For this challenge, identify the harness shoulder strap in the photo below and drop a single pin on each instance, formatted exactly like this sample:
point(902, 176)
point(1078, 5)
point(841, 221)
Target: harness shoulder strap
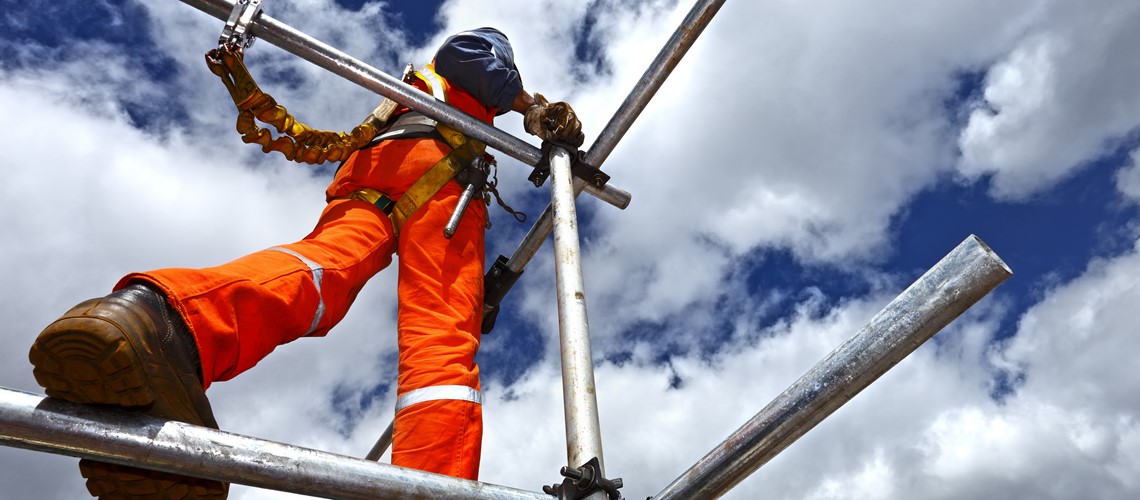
point(416, 125)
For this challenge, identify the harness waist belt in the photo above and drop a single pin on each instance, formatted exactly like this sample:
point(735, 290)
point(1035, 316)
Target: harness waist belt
point(369, 195)
point(463, 152)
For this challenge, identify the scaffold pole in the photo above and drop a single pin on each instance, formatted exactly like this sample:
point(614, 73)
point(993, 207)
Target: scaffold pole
point(955, 283)
point(356, 71)
point(49, 425)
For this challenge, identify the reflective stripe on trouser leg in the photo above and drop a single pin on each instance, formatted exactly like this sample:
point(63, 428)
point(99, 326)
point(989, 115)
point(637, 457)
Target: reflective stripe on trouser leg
point(443, 436)
point(242, 310)
point(438, 393)
point(318, 274)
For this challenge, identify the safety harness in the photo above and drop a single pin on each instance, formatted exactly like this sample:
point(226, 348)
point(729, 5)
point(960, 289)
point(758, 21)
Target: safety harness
point(301, 143)
point(463, 152)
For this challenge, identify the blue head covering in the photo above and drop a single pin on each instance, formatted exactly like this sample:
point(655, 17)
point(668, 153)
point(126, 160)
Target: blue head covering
point(482, 62)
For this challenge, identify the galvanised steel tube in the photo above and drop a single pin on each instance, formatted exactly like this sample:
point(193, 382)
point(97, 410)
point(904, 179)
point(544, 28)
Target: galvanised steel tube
point(382, 444)
point(583, 431)
point(545, 224)
point(33, 422)
point(534, 238)
point(654, 76)
point(301, 45)
point(954, 284)
point(354, 70)
point(614, 196)
point(667, 59)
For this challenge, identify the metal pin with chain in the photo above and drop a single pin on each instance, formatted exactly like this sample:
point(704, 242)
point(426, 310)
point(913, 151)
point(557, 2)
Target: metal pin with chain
point(476, 176)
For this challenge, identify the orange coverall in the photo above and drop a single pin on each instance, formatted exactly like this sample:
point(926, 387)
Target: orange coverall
point(240, 311)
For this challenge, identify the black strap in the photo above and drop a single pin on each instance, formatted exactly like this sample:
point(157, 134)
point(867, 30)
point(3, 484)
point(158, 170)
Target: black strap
point(385, 204)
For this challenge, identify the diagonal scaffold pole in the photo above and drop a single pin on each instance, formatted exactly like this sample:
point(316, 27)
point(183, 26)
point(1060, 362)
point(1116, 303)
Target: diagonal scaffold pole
point(964, 276)
point(341, 64)
point(655, 75)
point(50, 425)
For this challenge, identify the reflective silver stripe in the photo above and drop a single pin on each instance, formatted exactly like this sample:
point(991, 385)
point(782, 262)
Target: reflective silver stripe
point(395, 132)
point(434, 82)
point(408, 123)
point(414, 118)
point(318, 274)
point(439, 392)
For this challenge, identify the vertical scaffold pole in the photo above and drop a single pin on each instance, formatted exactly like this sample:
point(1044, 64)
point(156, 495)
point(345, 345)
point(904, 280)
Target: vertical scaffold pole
point(583, 431)
point(955, 283)
point(667, 59)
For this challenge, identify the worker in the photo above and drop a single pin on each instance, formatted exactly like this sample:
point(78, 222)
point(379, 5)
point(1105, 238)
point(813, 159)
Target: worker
point(161, 338)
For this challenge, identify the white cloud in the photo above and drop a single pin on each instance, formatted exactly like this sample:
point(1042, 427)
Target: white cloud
point(117, 199)
point(792, 139)
point(927, 429)
point(1058, 99)
point(801, 127)
point(1128, 177)
point(1084, 326)
point(807, 135)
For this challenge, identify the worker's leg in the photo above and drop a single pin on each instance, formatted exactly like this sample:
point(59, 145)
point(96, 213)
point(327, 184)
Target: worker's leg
point(240, 311)
point(138, 348)
point(438, 421)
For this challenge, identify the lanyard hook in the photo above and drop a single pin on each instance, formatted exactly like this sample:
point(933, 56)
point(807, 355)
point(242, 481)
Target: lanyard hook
point(236, 32)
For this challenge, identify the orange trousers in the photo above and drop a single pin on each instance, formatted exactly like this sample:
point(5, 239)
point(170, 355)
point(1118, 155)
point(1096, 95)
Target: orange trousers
point(240, 311)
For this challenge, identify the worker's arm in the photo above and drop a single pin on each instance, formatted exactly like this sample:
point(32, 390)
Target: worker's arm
point(523, 102)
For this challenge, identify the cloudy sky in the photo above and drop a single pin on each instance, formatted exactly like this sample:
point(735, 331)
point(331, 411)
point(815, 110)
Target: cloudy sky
point(804, 163)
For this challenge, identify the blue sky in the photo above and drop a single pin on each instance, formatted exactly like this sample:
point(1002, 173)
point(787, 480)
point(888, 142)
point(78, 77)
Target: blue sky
point(839, 151)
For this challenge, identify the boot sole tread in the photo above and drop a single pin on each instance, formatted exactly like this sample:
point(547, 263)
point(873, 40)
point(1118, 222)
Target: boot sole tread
point(77, 363)
point(88, 359)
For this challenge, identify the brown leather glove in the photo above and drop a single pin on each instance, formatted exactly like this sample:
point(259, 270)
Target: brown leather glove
point(553, 121)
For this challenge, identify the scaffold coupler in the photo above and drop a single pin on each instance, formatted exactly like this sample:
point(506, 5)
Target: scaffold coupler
point(496, 284)
point(579, 168)
point(584, 481)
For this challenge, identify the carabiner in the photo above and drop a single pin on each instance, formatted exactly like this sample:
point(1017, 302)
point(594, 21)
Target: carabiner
point(236, 31)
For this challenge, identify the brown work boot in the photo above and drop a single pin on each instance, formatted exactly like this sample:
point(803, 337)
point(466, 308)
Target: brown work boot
point(130, 349)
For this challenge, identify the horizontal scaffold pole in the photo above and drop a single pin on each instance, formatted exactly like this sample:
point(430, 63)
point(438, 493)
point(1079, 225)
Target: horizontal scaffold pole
point(954, 284)
point(43, 424)
point(325, 56)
